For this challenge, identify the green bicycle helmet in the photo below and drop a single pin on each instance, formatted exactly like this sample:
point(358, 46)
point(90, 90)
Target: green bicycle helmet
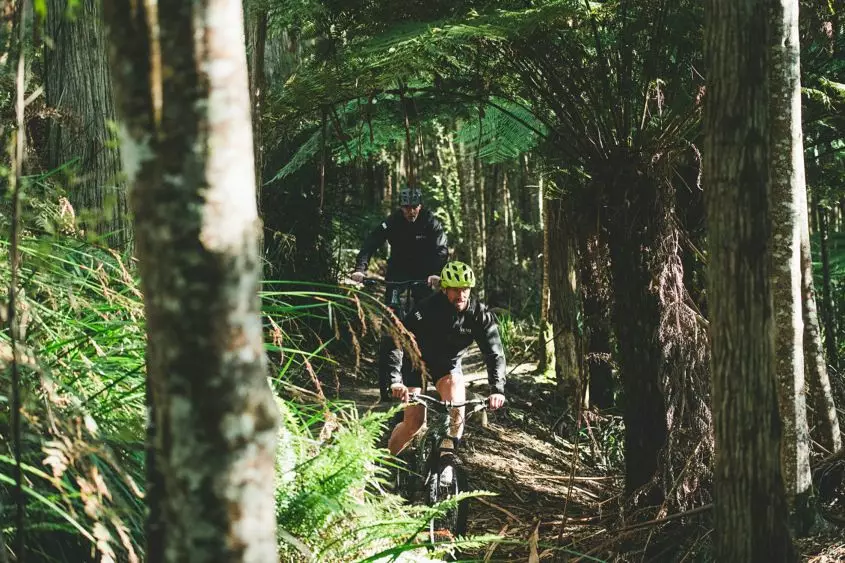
point(457, 274)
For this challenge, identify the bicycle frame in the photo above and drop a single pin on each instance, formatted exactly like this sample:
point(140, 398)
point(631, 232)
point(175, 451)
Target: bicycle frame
point(426, 456)
point(399, 294)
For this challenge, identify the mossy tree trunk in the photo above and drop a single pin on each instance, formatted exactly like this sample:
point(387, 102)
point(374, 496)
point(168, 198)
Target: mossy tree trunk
point(788, 190)
point(190, 164)
point(78, 91)
point(750, 504)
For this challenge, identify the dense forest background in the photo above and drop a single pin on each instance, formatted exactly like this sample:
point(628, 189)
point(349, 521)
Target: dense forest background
point(566, 147)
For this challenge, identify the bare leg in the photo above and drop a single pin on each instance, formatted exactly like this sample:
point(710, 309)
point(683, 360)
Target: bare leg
point(408, 428)
point(451, 388)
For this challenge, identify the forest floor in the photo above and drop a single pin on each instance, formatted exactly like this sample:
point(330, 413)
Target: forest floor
point(557, 496)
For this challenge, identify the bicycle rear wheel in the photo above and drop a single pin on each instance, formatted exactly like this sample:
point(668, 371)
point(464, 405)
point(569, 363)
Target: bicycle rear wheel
point(454, 522)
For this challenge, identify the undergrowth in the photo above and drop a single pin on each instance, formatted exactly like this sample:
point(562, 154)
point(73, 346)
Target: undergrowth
point(81, 357)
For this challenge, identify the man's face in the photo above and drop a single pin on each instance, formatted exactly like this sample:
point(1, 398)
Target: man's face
point(411, 212)
point(458, 296)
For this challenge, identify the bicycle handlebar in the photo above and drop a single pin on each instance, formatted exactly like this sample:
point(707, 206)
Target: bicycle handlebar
point(394, 282)
point(428, 401)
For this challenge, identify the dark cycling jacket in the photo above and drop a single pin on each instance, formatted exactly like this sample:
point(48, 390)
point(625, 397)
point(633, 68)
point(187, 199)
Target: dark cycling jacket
point(417, 250)
point(443, 334)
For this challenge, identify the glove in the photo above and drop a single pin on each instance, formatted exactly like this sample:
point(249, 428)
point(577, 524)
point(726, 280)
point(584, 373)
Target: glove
point(433, 281)
point(357, 277)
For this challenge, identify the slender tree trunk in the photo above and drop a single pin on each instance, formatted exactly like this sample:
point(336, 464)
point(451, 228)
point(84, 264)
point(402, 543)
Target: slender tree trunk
point(750, 505)
point(788, 190)
point(547, 346)
point(78, 87)
point(827, 292)
point(190, 165)
point(826, 427)
point(563, 284)
point(480, 213)
point(256, 37)
point(496, 264)
point(468, 245)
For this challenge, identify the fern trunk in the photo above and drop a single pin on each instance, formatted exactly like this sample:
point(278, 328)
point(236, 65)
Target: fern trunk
point(632, 239)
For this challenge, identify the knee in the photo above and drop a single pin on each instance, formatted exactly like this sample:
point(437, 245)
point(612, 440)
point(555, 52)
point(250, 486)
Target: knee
point(414, 416)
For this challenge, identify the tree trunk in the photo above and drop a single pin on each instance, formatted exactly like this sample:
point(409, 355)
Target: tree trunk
point(480, 212)
point(496, 264)
point(826, 428)
point(256, 37)
point(190, 165)
point(636, 319)
point(77, 87)
point(827, 292)
point(563, 283)
point(547, 350)
point(468, 245)
point(596, 322)
point(750, 504)
point(788, 190)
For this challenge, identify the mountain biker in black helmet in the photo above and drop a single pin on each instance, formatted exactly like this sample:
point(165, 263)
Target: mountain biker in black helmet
point(444, 326)
point(418, 250)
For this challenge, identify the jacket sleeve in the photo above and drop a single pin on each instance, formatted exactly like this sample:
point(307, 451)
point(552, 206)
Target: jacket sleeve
point(440, 253)
point(490, 344)
point(372, 243)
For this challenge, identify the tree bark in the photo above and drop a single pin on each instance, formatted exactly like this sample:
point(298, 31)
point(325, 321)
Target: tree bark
point(190, 165)
point(496, 264)
point(826, 427)
point(77, 85)
point(563, 284)
point(750, 504)
point(547, 351)
point(788, 191)
point(827, 292)
point(632, 240)
point(256, 37)
point(596, 322)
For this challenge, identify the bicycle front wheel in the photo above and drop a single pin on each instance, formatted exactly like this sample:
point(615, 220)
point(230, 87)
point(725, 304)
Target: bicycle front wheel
point(454, 522)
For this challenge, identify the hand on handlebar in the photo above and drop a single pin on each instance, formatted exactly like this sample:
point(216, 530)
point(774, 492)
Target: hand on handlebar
point(357, 277)
point(433, 282)
point(496, 400)
point(399, 391)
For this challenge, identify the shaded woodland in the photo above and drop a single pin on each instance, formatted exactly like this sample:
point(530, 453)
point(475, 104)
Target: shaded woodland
point(651, 193)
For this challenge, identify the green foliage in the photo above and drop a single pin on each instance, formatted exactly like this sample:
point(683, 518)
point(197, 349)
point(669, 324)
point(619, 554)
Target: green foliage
point(82, 360)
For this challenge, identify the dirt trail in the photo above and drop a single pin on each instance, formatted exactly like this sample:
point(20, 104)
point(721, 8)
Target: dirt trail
point(529, 467)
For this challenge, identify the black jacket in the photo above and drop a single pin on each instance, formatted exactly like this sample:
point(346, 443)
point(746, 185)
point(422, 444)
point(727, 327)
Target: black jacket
point(417, 250)
point(443, 334)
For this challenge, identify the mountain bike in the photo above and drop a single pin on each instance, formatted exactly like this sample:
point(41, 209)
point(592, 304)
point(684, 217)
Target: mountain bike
point(400, 296)
point(424, 467)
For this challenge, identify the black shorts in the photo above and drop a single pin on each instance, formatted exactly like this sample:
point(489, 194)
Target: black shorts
point(412, 377)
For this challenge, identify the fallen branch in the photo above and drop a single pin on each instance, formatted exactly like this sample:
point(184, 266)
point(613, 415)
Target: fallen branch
point(659, 521)
point(500, 509)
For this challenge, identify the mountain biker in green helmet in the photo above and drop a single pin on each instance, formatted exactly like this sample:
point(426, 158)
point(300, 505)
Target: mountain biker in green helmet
point(444, 326)
point(418, 250)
